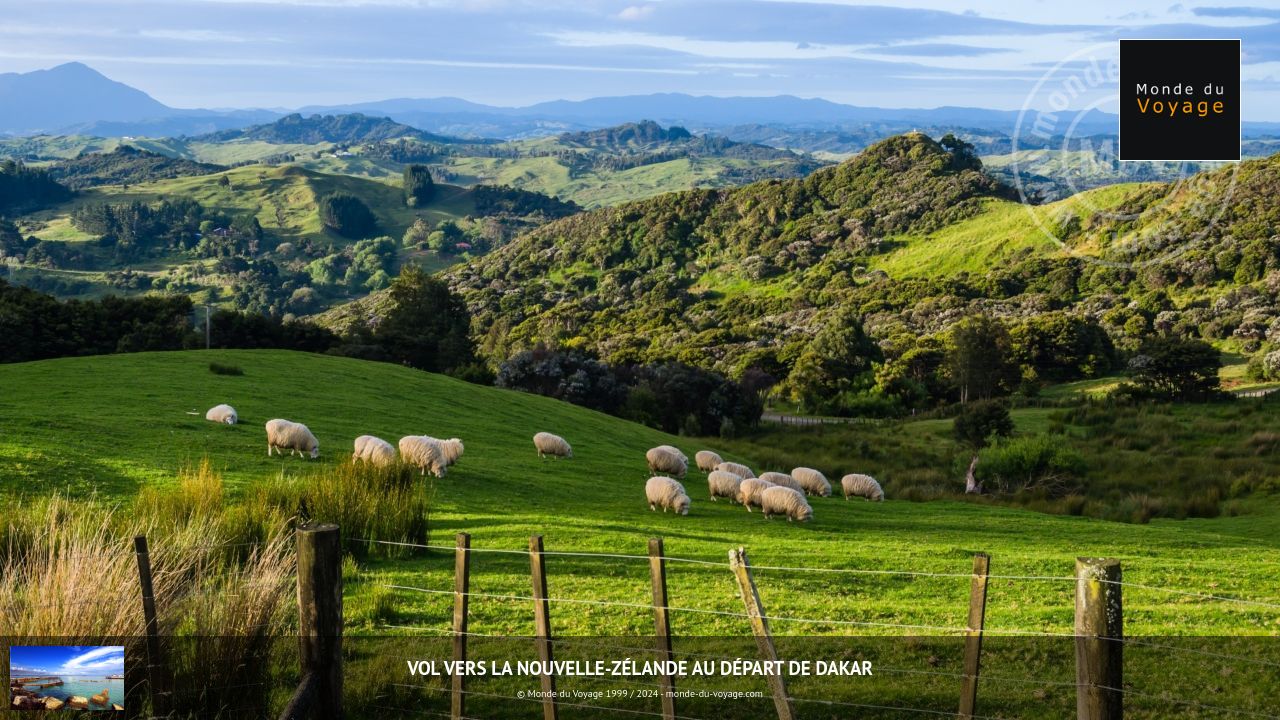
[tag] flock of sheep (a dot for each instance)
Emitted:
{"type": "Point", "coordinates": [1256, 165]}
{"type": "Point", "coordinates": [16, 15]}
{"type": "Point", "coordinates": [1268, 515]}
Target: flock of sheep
{"type": "Point", "coordinates": [426, 453]}
{"type": "Point", "coordinates": [775, 493]}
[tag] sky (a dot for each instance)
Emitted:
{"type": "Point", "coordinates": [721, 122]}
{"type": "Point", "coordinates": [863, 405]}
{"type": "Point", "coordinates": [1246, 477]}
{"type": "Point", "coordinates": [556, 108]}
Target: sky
{"type": "Point", "coordinates": [903, 53]}
{"type": "Point", "coordinates": [69, 660]}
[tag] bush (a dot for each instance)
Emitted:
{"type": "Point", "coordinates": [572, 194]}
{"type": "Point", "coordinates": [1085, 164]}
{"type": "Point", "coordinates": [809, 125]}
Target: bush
{"type": "Point", "coordinates": [1035, 463]}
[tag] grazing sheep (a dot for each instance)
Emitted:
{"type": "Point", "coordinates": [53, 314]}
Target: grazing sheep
{"type": "Point", "coordinates": [783, 479]}
{"type": "Point", "coordinates": [295, 437]}
{"type": "Point", "coordinates": [424, 453]}
{"type": "Point", "coordinates": [668, 494]}
{"type": "Point", "coordinates": [785, 501]}
{"type": "Point", "coordinates": [666, 459]}
{"type": "Point", "coordinates": [373, 450]}
{"type": "Point", "coordinates": [222, 414]}
{"type": "Point", "coordinates": [749, 492]}
{"type": "Point", "coordinates": [677, 451]}
{"type": "Point", "coordinates": [552, 445]}
{"type": "Point", "coordinates": [863, 486]}
{"type": "Point", "coordinates": [723, 484]}
{"type": "Point", "coordinates": [452, 450]}
{"type": "Point", "coordinates": [707, 460]}
{"type": "Point", "coordinates": [738, 469]}
{"type": "Point", "coordinates": [813, 482]}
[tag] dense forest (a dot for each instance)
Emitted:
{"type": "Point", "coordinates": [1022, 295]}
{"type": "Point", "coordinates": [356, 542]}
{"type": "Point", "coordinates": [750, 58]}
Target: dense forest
{"type": "Point", "coordinates": [25, 189]}
{"type": "Point", "coordinates": [772, 278]}
{"type": "Point", "coordinates": [127, 165]}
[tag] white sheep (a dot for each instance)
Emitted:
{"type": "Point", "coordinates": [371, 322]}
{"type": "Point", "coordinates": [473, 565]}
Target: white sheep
{"type": "Point", "coordinates": [373, 450]}
{"type": "Point", "coordinates": [222, 414]}
{"type": "Point", "coordinates": [295, 437]}
{"type": "Point", "coordinates": [723, 484]}
{"type": "Point", "coordinates": [452, 450]}
{"type": "Point", "coordinates": [677, 451]}
{"type": "Point", "coordinates": [552, 445]}
{"type": "Point", "coordinates": [707, 460]}
{"type": "Point", "coordinates": [738, 469]}
{"type": "Point", "coordinates": [813, 482]}
{"type": "Point", "coordinates": [749, 491]}
{"type": "Point", "coordinates": [666, 459]}
{"type": "Point", "coordinates": [785, 501]}
{"type": "Point", "coordinates": [863, 486]}
{"type": "Point", "coordinates": [783, 479]}
{"type": "Point", "coordinates": [424, 453]}
{"type": "Point", "coordinates": [666, 493]}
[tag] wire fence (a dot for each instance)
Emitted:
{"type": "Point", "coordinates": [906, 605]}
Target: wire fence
{"type": "Point", "coordinates": [471, 598]}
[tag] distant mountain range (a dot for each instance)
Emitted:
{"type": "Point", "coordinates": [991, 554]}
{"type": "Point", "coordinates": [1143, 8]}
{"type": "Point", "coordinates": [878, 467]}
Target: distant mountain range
{"type": "Point", "coordinates": [76, 99]}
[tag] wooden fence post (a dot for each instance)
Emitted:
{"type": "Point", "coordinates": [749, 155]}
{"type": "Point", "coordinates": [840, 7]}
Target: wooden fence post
{"type": "Point", "coordinates": [760, 627]}
{"type": "Point", "coordinates": [461, 588]}
{"type": "Point", "coordinates": [1099, 640]}
{"type": "Point", "coordinates": [662, 625]}
{"type": "Point", "coordinates": [973, 634]}
{"type": "Point", "coordinates": [159, 688]}
{"type": "Point", "coordinates": [542, 627]}
{"type": "Point", "coordinates": [320, 616]}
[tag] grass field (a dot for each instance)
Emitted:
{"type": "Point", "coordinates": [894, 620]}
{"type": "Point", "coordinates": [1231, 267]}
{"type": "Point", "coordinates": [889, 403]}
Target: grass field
{"type": "Point", "coordinates": [104, 431]}
{"type": "Point", "coordinates": [104, 427]}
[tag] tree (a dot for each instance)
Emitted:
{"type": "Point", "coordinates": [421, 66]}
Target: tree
{"type": "Point", "coordinates": [980, 358]}
{"type": "Point", "coordinates": [418, 186]}
{"type": "Point", "coordinates": [839, 353]}
{"type": "Point", "coordinates": [1174, 368]}
{"type": "Point", "coordinates": [427, 326]}
{"type": "Point", "coordinates": [974, 427]}
{"type": "Point", "coordinates": [347, 215]}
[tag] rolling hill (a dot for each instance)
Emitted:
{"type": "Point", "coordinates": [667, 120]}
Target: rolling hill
{"type": "Point", "coordinates": [501, 493]}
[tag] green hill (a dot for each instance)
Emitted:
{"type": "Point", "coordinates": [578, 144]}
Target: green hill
{"type": "Point", "coordinates": [106, 426]}
{"type": "Point", "coordinates": [125, 165]}
{"type": "Point", "coordinates": [348, 128]}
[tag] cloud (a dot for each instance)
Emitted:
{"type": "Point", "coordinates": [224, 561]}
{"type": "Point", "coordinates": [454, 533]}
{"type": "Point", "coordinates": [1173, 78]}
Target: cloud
{"type": "Point", "coordinates": [937, 50]}
{"type": "Point", "coordinates": [635, 12]}
{"type": "Point", "coordinates": [1236, 12]}
{"type": "Point", "coordinates": [106, 659]}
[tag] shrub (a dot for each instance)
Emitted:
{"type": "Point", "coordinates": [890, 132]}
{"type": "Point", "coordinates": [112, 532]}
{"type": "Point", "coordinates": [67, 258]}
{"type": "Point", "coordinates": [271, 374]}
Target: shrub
{"type": "Point", "coordinates": [1033, 463]}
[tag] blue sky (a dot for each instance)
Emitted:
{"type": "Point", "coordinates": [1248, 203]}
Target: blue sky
{"type": "Point", "coordinates": [69, 660]}
{"type": "Point", "coordinates": [909, 53]}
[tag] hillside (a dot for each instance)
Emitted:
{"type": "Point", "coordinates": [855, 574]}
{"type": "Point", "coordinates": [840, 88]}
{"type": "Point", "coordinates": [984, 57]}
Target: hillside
{"type": "Point", "coordinates": [280, 246]}
{"type": "Point", "coordinates": [68, 94]}
{"type": "Point", "coordinates": [501, 493]}
{"type": "Point", "coordinates": [126, 165]}
{"type": "Point", "coordinates": [350, 128]}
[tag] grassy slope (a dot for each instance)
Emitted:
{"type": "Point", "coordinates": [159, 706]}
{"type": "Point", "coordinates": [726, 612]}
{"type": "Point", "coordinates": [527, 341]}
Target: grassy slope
{"type": "Point", "coordinates": [111, 424]}
{"type": "Point", "coordinates": [1001, 230]}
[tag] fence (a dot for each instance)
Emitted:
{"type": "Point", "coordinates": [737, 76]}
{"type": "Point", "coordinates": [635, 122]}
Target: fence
{"type": "Point", "coordinates": [1098, 635]}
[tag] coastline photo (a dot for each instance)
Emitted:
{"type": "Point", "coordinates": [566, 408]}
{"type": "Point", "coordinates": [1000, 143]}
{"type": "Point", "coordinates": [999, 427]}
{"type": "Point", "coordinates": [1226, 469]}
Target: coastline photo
{"type": "Point", "coordinates": [66, 677]}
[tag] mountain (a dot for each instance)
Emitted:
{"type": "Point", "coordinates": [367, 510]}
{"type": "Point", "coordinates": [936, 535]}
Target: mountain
{"type": "Point", "coordinates": [911, 237]}
{"type": "Point", "coordinates": [127, 165]}
{"type": "Point", "coordinates": [348, 128]}
{"type": "Point", "coordinates": [70, 94]}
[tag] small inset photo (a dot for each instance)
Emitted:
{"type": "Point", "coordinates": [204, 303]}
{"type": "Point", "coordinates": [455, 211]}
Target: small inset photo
{"type": "Point", "coordinates": [66, 677]}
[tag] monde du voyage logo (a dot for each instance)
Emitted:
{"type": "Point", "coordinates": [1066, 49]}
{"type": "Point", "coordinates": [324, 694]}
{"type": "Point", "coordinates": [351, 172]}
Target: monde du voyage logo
{"type": "Point", "coordinates": [1179, 100]}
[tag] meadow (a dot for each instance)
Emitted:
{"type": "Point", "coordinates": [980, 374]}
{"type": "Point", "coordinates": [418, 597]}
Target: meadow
{"type": "Point", "coordinates": [124, 435]}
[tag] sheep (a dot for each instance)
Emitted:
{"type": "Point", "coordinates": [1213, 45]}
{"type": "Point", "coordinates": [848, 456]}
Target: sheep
{"type": "Point", "coordinates": [723, 484]}
{"type": "Point", "coordinates": [738, 469]}
{"type": "Point", "coordinates": [373, 450]}
{"type": "Point", "coordinates": [785, 501]}
{"type": "Point", "coordinates": [707, 460]}
{"type": "Point", "coordinates": [863, 486]}
{"type": "Point", "coordinates": [295, 437]}
{"type": "Point", "coordinates": [424, 453]}
{"type": "Point", "coordinates": [552, 445]}
{"type": "Point", "coordinates": [452, 450]}
{"type": "Point", "coordinates": [749, 491]}
{"type": "Point", "coordinates": [666, 493]}
{"type": "Point", "coordinates": [222, 414]}
{"type": "Point", "coordinates": [813, 482]}
{"type": "Point", "coordinates": [676, 451]}
{"type": "Point", "coordinates": [783, 479]}
{"type": "Point", "coordinates": [667, 459]}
